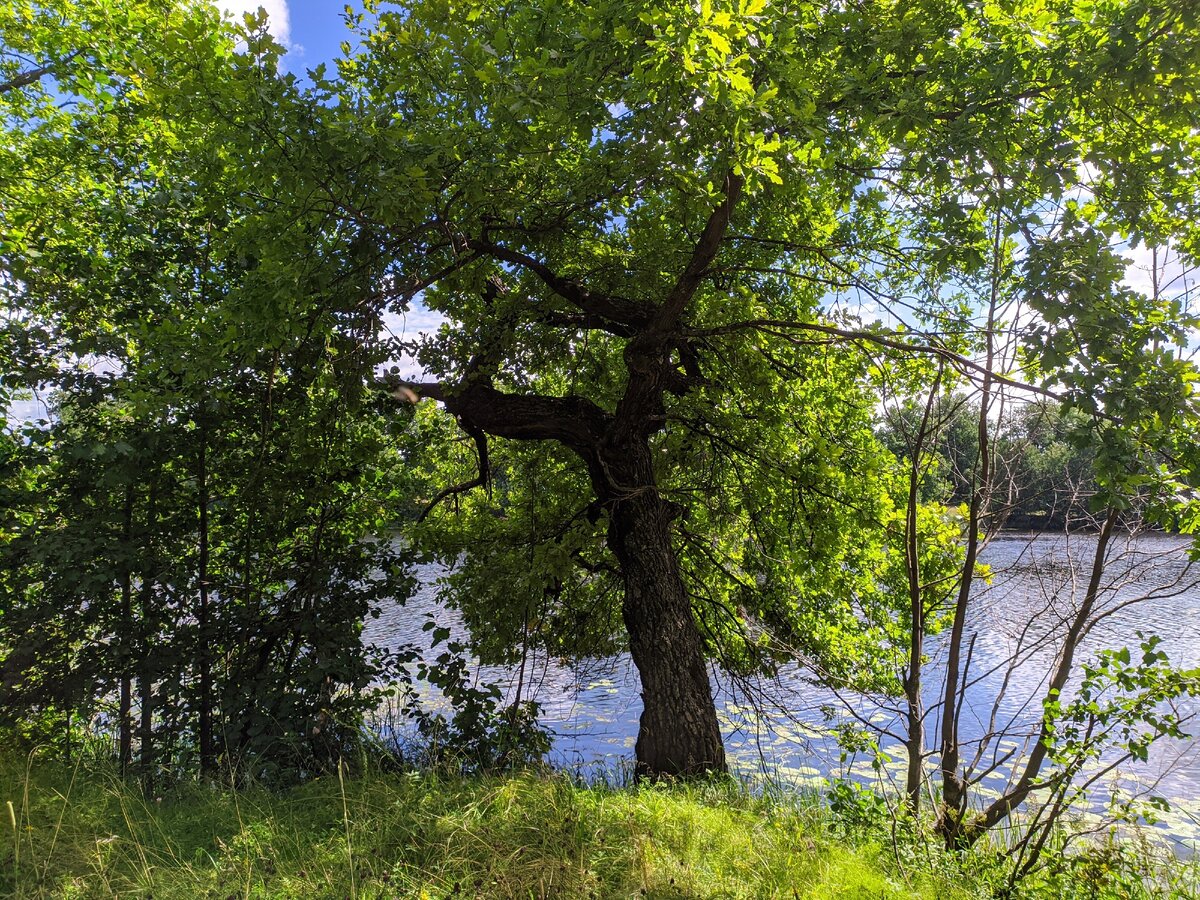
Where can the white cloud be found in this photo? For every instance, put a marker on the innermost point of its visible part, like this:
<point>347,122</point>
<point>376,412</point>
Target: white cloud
<point>1173,275</point>
<point>277,15</point>
<point>22,412</point>
<point>416,324</point>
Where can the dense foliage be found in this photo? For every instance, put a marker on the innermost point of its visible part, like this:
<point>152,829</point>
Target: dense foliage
<point>184,517</point>
<point>685,255</point>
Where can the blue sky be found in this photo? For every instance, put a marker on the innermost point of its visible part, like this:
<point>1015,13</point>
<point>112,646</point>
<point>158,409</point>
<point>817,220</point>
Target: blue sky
<point>312,30</point>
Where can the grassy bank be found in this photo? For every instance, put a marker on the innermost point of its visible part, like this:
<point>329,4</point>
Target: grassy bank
<point>83,833</point>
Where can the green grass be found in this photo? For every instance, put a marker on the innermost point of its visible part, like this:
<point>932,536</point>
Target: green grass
<point>84,833</point>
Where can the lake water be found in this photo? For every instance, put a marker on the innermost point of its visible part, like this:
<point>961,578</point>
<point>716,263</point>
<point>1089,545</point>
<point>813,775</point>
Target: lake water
<point>781,728</point>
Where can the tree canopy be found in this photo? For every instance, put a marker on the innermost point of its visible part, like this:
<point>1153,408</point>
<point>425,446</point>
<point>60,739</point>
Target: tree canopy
<point>681,250</point>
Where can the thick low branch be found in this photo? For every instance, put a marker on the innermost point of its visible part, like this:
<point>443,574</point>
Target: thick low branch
<point>575,422</point>
<point>593,303</point>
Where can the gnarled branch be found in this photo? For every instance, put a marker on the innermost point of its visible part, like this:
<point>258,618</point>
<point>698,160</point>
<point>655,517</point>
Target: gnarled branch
<point>593,303</point>
<point>573,421</point>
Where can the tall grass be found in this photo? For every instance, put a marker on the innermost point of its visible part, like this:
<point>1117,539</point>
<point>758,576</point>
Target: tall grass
<point>83,832</point>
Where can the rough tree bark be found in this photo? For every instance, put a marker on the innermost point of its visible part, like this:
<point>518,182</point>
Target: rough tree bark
<point>679,734</point>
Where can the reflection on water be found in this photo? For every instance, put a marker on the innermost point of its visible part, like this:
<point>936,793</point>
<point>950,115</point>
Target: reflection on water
<point>781,727</point>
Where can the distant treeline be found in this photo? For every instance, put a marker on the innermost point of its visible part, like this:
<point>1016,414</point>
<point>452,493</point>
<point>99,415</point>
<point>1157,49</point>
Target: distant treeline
<point>1042,476</point>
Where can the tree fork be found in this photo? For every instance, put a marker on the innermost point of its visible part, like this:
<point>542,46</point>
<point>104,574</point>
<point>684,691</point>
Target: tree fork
<point>679,734</point>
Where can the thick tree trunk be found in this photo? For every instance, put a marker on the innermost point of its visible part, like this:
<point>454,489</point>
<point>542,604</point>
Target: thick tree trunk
<point>678,734</point>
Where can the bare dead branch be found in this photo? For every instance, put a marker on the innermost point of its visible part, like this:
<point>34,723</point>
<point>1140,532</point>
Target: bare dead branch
<point>891,340</point>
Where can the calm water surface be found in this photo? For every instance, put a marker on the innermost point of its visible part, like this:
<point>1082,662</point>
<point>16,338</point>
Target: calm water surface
<point>781,728</point>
